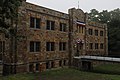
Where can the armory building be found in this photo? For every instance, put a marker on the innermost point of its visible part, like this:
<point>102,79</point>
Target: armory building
<point>48,39</point>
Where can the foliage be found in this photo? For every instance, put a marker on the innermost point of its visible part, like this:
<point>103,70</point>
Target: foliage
<point>8,13</point>
<point>112,19</point>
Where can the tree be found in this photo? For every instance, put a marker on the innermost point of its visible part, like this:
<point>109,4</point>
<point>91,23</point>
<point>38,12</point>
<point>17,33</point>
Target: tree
<point>8,13</point>
<point>112,19</point>
<point>9,18</point>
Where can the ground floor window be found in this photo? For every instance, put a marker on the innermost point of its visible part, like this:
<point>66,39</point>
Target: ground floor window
<point>37,66</point>
<point>31,67</point>
<point>64,63</point>
<point>47,65</point>
<point>52,64</point>
<point>60,63</point>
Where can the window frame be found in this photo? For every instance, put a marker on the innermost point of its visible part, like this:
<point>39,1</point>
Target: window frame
<point>50,46</point>
<point>62,46</point>
<point>34,46</point>
<point>50,25</point>
<point>35,23</point>
<point>63,27</point>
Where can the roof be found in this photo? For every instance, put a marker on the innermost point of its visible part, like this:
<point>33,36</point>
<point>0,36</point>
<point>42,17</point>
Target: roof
<point>98,58</point>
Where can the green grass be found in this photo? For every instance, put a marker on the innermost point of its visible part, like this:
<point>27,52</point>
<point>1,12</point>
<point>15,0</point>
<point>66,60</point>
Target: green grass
<point>70,74</point>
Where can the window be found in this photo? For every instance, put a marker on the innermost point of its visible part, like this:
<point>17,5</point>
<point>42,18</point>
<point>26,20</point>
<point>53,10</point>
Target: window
<point>101,46</point>
<point>31,67</point>
<point>101,33</point>
<point>62,27</point>
<point>64,62</point>
<point>34,22</point>
<point>52,64</point>
<point>37,66</point>
<point>50,46</point>
<point>60,63</point>
<point>62,46</point>
<point>96,32</point>
<point>50,25</point>
<point>96,45</point>
<point>34,46</point>
<point>47,65</point>
<point>91,45</point>
<point>78,28</point>
<point>90,31</point>
<point>2,48</point>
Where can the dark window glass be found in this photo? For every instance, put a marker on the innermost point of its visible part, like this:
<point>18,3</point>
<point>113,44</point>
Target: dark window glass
<point>37,23</point>
<point>90,31</point>
<point>101,33</point>
<point>34,46</point>
<point>96,32</point>
<point>60,63</point>
<point>52,64</point>
<point>101,46</point>
<point>31,68</point>
<point>50,25</point>
<point>50,46</point>
<point>62,46</point>
<point>47,65</point>
<point>37,66</point>
<point>31,46</point>
<point>96,45</point>
<point>32,22</point>
<point>62,27</point>
<point>91,45</point>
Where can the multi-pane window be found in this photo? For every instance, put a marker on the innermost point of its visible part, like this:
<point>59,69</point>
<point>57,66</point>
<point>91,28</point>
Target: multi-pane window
<point>78,29</point>
<point>50,25</point>
<point>62,27</point>
<point>34,23</point>
<point>101,33</point>
<point>62,46</point>
<point>96,45</point>
<point>91,45</point>
<point>101,46</point>
<point>34,46</point>
<point>50,46</point>
<point>90,31</point>
<point>96,32</point>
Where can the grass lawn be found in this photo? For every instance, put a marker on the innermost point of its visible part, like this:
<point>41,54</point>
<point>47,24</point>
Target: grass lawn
<point>70,74</point>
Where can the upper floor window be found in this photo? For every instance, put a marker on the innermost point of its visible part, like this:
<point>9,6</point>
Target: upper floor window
<point>34,46</point>
<point>96,32</point>
<point>91,45</point>
<point>50,46</point>
<point>62,46</point>
<point>96,45</point>
<point>62,27</point>
<point>90,31</point>
<point>34,23</point>
<point>101,33</point>
<point>50,25</point>
<point>101,46</point>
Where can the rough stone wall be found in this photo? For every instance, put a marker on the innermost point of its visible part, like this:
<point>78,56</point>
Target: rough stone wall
<point>96,39</point>
<point>27,34</point>
<point>74,48</point>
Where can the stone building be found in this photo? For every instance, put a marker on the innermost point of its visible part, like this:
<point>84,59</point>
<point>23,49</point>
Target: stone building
<point>48,39</point>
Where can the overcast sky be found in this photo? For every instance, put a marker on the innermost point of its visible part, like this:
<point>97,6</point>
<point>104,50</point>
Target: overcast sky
<point>85,5</point>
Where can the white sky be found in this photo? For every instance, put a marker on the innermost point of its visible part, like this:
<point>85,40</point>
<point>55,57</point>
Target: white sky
<point>85,5</point>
